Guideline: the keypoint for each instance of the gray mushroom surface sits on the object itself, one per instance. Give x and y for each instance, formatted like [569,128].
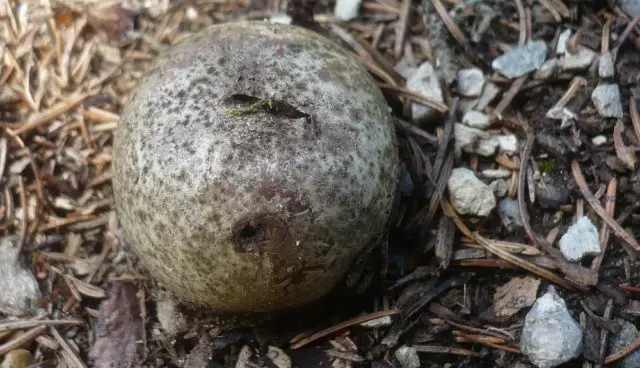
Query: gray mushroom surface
[252,163]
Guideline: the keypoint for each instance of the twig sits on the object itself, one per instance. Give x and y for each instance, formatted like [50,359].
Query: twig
[343,325]
[522,38]
[604,334]
[454,30]
[635,117]
[606,37]
[626,155]
[582,276]
[71,355]
[617,229]
[21,324]
[435,349]
[24,224]
[488,245]
[554,12]
[53,112]
[574,87]
[512,349]
[508,97]
[417,131]
[401,28]
[635,344]
[625,34]
[605,232]
[416,97]
[22,339]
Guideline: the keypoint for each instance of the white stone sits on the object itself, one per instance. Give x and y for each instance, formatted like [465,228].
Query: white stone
[476,119]
[408,357]
[496,173]
[561,48]
[347,9]
[507,143]
[378,322]
[405,68]
[563,114]
[500,187]
[470,82]
[191,13]
[550,336]
[19,286]
[472,140]
[469,195]
[509,211]
[599,140]
[282,18]
[580,240]
[425,82]
[606,99]
[605,66]
[581,59]
[547,70]
[521,60]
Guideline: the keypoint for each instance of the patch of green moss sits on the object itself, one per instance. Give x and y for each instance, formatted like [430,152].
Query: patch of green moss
[262,105]
[547,166]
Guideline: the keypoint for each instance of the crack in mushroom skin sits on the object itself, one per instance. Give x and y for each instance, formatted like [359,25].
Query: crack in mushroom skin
[266,207]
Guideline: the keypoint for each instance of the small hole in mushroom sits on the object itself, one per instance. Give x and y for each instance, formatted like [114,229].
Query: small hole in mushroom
[249,237]
[249,232]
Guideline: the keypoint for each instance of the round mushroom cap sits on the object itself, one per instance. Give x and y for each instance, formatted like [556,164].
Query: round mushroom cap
[251,165]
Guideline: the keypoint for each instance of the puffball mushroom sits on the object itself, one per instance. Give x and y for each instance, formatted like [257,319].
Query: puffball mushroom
[252,164]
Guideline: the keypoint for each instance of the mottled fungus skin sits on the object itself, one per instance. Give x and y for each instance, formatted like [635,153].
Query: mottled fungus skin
[251,165]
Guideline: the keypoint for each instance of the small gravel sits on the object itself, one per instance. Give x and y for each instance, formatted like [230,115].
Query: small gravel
[469,195]
[580,240]
[550,336]
[470,82]
[521,60]
[606,98]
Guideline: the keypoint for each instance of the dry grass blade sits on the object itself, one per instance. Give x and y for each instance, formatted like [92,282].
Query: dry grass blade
[341,326]
[512,349]
[436,349]
[574,87]
[617,229]
[635,344]
[626,155]
[53,112]
[508,97]
[22,339]
[417,131]
[605,232]
[635,116]
[21,324]
[488,245]
[69,354]
[625,34]
[522,38]
[499,252]
[416,97]
[579,275]
[554,12]
[451,26]
[401,28]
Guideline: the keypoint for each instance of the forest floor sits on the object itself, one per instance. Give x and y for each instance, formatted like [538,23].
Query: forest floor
[450,288]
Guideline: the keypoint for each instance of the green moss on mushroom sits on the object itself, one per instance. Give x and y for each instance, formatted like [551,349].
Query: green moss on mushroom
[252,163]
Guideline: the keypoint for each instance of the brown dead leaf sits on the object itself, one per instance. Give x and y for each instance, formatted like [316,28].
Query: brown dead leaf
[119,328]
[626,155]
[516,294]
